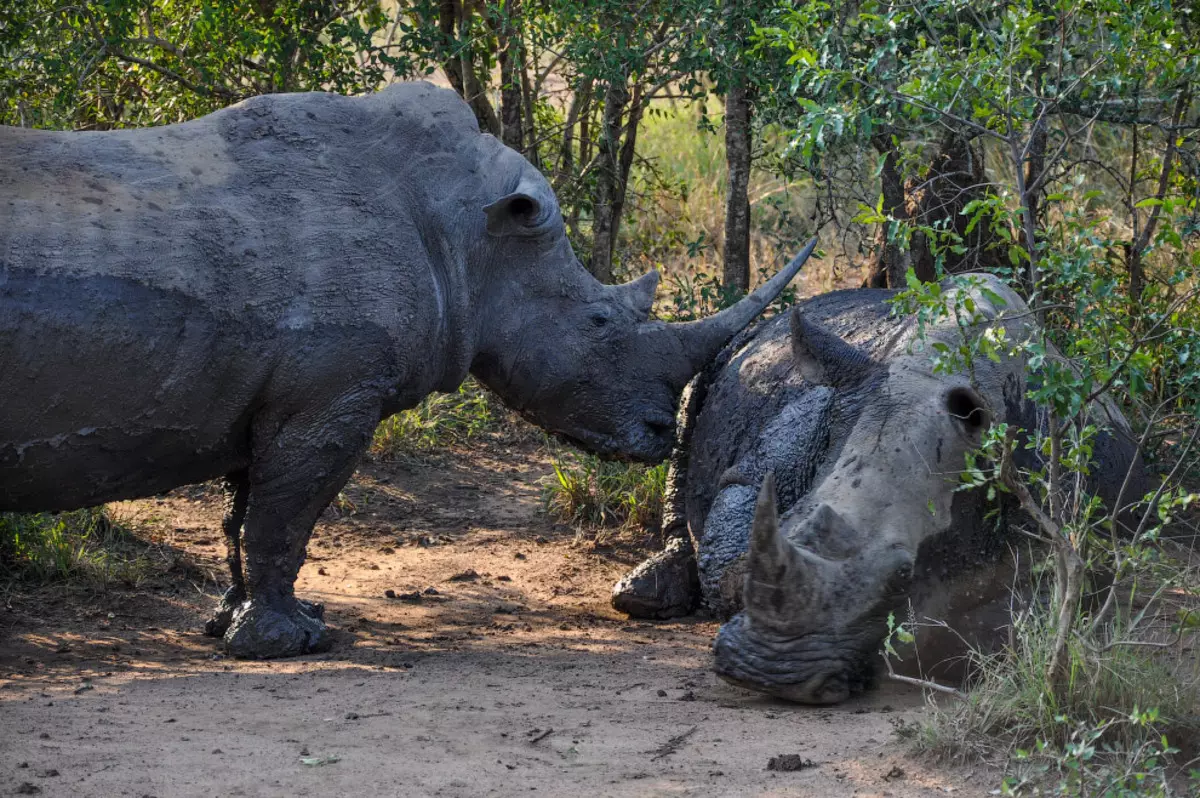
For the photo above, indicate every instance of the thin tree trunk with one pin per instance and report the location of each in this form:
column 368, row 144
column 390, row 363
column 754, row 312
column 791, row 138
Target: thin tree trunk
column 474, row 91
column 512, row 115
column 566, row 153
column 528, row 101
column 625, row 164
column 448, row 15
column 585, row 153
column 736, row 272
column 1137, row 274
column 604, row 228
column 891, row 260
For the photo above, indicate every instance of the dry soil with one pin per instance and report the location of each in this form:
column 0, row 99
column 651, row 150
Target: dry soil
column 476, row 654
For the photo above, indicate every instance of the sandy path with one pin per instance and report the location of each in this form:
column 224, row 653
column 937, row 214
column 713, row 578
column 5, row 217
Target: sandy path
column 516, row 677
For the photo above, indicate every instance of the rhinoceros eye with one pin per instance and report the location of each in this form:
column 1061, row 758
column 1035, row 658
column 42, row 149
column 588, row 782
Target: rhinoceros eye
column 967, row 410
column 599, row 316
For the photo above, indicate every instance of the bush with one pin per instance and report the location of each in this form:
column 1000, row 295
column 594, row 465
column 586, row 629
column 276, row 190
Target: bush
column 82, row 545
column 441, row 419
column 588, row 492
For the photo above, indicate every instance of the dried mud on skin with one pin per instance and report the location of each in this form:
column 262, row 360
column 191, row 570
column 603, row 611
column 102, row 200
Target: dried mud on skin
column 498, row 669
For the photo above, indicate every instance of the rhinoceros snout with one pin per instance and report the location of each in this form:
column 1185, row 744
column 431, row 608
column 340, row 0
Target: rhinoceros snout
column 808, row 669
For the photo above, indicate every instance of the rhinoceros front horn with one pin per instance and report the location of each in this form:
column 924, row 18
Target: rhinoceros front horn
column 781, row 582
column 703, row 339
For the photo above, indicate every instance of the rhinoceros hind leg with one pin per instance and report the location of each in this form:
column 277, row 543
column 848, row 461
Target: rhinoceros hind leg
column 237, row 487
column 302, row 469
column 664, row 586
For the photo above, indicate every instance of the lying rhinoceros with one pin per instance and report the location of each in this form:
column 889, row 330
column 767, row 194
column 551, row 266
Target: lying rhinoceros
column 817, row 470
column 248, row 294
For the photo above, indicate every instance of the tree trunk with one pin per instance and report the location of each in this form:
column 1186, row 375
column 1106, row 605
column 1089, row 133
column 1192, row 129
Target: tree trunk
column 566, row 154
column 448, row 14
column 736, row 272
column 604, row 228
column 625, row 164
column 474, row 91
column 512, row 115
column 528, row 101
column 891, row 261
column 955, row 178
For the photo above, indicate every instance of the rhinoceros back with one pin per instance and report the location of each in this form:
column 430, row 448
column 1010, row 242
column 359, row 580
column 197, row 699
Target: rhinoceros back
column 159, row 286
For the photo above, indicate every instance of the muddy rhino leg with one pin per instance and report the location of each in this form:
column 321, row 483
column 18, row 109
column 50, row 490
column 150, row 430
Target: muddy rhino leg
column 664, row 586
column 302, row 470
column 237, row 487
column 667, row 584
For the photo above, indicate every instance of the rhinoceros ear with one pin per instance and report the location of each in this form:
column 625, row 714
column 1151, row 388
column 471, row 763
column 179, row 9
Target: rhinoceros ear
column 824, row 358
column 521, row 213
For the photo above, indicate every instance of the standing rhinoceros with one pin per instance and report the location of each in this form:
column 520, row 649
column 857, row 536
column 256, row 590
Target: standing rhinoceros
column 248, row 294
column 817, row 469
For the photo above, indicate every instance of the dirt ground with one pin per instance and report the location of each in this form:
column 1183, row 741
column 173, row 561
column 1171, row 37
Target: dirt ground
column 495, row 667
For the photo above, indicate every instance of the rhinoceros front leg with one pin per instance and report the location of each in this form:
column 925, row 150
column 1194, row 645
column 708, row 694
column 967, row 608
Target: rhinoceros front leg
column 299, row 472
column 666, row 584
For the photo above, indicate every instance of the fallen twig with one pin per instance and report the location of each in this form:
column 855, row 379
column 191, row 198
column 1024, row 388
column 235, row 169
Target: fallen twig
column 541, row 736
column 672, row 745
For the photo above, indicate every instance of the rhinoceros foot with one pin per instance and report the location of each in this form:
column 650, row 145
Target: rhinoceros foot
column 261, row 631
column 664, row 586
column 222, row 617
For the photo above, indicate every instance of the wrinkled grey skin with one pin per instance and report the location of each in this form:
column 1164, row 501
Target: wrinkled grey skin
column 817, row 477
column 248, row 294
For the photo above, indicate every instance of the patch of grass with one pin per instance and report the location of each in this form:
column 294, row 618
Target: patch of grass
column 85, row 546
column 1132, row 691
column 440, row 420
column 591, row 493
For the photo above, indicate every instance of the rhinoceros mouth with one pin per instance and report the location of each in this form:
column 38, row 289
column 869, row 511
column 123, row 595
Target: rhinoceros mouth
column 814, row 668
column 647, row 442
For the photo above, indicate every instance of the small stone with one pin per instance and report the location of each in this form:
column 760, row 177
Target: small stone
column 27, row 788
column 662, row 693
column 432, row 591
column 322, row 572
column 49, row 773
column 389, row 593
column 785, row 763
column 44, row 736
column 688, row 696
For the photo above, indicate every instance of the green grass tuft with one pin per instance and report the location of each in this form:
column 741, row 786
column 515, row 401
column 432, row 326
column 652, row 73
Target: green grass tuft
column 588, row 492
column 440, row 420
column 1110, row 732
column 83, row 546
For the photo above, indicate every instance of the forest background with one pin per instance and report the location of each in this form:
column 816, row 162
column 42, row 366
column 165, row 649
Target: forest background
column 1056, row 144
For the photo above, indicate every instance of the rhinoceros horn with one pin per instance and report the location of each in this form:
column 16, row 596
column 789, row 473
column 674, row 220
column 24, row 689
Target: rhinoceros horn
column 823, row 357
column 703, row 339
column 639, row 293
column 781, row 582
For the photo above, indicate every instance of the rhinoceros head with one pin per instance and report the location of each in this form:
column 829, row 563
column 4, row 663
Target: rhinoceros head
column 821, row 579
column 580, row 358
